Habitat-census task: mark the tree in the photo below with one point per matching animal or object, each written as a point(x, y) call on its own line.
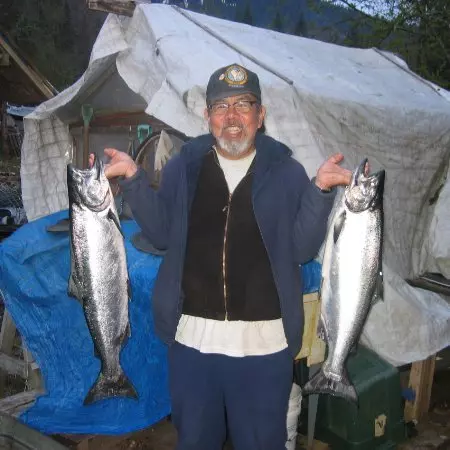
point(211, 8)
point(301, 28)
point(46, 33)
point(246, 16)
point(416, 29)
point(277, 23)
point(354, 37)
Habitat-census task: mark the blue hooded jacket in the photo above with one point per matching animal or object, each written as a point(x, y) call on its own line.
point(290, 210)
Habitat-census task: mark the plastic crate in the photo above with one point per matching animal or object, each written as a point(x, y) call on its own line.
point(378, 421)
point(17, 436)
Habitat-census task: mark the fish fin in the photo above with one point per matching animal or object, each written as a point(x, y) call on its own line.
point(125, 336)
point(107, 387)
point(97, 353)
point(378, 294)
point(129, 289)
point(114, 218)
point(321, 383)
point(338, 225)
point(74, 288)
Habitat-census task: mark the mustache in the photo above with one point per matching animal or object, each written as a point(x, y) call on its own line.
point(233, 124)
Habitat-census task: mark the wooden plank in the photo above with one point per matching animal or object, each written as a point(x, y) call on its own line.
point(421, 382)
point(33, 377)
point(4, 59)
point(310, 305)
point(15, 404)
point(7, 333)
point(7, 337)
point(121, 7)
point(27, 368)
point(318, 346)
point(39, 82)
point(313, 348)
point(13, 366)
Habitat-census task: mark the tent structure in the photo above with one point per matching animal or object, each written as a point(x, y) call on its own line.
point(321, 98)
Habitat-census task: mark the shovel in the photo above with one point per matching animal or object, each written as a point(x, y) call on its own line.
point(87, 112)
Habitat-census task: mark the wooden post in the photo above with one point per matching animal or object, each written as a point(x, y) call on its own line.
point(26, 368)
point(7, 336)
point(421, 382)
point(33, 377)
point(15, 404)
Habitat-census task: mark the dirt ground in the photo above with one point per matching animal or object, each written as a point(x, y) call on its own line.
point(433, 432)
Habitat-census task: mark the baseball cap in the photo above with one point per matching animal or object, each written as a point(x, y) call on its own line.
point(232, 80)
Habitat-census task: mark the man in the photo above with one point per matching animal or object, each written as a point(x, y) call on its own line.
point(236, 215)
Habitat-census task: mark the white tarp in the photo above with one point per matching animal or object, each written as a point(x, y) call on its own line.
point(321, 98)
point(435, 253)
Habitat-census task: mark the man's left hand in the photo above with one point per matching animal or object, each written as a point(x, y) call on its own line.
point(330, 174)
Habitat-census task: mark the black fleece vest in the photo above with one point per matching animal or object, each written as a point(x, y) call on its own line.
point(227, 273)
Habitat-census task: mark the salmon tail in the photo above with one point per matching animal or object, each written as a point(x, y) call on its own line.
point(321, 383)
point(107, 387)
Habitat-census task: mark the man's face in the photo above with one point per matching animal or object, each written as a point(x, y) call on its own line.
point(235, 127)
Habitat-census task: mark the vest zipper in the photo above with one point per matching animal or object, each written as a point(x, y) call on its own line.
point(224, 250)
point(224, 253)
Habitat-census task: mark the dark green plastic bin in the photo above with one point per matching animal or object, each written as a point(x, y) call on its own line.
point(17, 436)
point(378, 422)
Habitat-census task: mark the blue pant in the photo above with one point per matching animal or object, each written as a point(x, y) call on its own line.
point(212, 393)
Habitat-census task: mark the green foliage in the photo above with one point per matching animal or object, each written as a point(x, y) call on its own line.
point(301, 28)
point(211, 8)
point(277, 23)
point(57, 35)
point(417, 30)
point(246, 15)
point(44, 32)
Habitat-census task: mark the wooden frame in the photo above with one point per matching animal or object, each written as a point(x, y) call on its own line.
point(41, 84)
point(421, 382)
point(25, 368)
point(121, 7)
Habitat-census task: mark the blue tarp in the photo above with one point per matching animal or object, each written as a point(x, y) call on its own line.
point(312, 276)
point(34, 271)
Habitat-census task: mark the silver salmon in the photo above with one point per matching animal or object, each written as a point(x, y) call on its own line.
point(99, 276)
point(351, 278)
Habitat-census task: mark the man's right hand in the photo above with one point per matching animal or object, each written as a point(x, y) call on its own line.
point(120, 164)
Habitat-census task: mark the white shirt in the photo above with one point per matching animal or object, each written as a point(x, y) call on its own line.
point(236, 337)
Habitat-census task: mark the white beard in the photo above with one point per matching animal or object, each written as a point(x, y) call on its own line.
point(234, 148)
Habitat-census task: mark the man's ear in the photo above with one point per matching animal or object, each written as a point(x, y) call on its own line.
point(262, 115)
point(206, 114)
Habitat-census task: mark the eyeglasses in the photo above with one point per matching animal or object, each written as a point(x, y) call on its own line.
point(241, 107)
